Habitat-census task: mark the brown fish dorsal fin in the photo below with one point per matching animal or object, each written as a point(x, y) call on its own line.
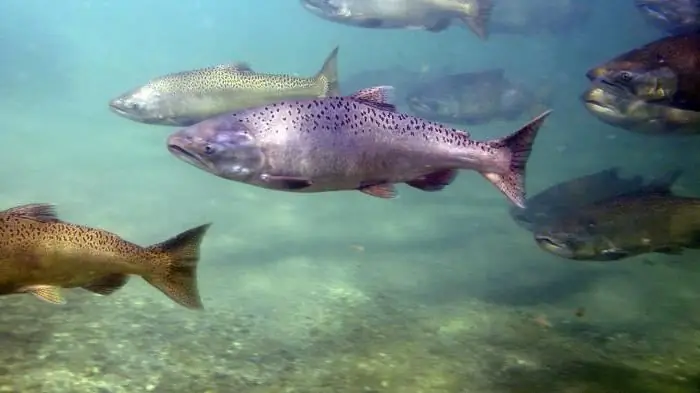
point(236, 67)
point(108, 284)
point(42, 212)
point(47, 293)
point(380, 97)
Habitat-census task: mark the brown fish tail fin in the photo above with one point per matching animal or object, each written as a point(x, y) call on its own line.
point(177, 279)
point(476, 14)
point(328, 75)
point(518, 147)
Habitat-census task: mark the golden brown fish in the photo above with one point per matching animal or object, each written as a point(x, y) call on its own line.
point(645, 221)
point(39, 254)
point(571, 195)
point(665, 71)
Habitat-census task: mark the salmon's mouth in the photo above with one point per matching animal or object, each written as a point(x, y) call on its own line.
point(186, 156)
point(116, 109)
point(600, 109)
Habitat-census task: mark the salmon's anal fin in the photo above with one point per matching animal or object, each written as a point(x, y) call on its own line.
point(518, 147)
point(177, 279)
point(435, 181)
point(107, 284)
point(382, 190)
point(47, 293)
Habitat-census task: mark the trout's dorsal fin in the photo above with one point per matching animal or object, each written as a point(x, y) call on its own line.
point(236, 67)
point(380, 97)
point(42, 212)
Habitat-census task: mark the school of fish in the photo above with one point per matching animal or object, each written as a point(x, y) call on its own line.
point(298, 134)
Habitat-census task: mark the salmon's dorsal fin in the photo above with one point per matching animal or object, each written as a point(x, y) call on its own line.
point(380, 97)
point(236, 67)
point(42, 212)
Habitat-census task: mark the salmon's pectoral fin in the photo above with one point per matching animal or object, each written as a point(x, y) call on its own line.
point(287, 182)
point(382, 190)
point(42, 212)
point(46, 293)
point(175, 264)
point(107, 284)
point(435, 181)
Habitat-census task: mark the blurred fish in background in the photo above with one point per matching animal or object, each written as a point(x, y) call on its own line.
point(671, 16)
point(430, 15)
point(530, 17)
point(475, 98)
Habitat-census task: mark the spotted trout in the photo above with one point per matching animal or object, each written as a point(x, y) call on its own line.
point(185, 98)
point(39, 254)
point(359, 142)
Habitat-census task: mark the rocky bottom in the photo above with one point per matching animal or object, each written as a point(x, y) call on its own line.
point(349, 342)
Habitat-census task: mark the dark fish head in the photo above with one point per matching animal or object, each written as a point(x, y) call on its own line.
point(656, 85)
point(221, 146)
point(580, 243)
point(144, 105)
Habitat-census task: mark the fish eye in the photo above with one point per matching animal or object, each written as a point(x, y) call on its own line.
point(209, 149)
point(625, 76)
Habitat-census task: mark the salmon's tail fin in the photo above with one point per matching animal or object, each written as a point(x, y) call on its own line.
point(517, 147)
point(328, 75)
point(176, 267)
point(476, 14)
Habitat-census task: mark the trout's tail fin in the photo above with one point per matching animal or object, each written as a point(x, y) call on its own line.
point(176, 267)
point(328, 75)
point(476, 14)
point(517, 147)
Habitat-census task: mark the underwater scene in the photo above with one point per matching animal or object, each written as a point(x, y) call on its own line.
point(350, 196)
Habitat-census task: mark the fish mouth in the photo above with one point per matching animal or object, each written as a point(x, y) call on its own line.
point(553, 246)
point(597, 106)
point(114, 107)
point(186, 156)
